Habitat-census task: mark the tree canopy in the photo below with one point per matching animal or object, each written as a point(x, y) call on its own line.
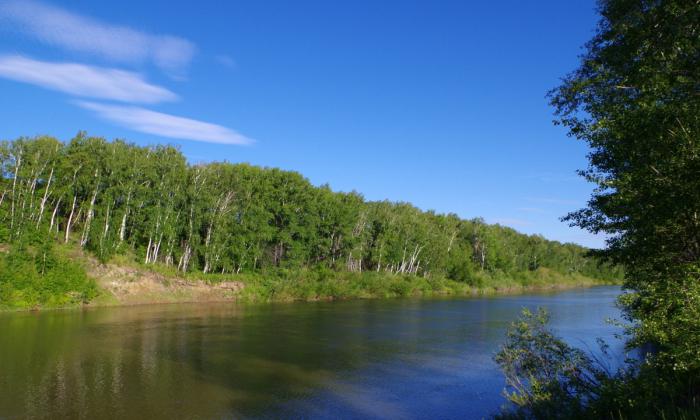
point(115, 197)
point(635, 100)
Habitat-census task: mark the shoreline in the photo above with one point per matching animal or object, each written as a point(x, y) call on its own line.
point(108, 300)
point(124, 282)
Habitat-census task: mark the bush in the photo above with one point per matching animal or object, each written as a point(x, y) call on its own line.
point(547, 378)
point(35, 276)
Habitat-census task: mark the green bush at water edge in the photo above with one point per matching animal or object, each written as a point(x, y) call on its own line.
point(33, 276)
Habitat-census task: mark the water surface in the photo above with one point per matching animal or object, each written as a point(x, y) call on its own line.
point(405, 358)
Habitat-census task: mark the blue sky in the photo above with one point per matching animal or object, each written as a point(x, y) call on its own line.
point(438, 103)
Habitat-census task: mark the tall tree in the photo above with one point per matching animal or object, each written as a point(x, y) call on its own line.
point(635, 100)
point(115, 197)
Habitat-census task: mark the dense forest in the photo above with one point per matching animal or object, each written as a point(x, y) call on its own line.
point(149, 203)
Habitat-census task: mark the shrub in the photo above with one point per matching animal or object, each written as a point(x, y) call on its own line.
point(35, 276)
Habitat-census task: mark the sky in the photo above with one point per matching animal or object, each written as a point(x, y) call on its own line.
point(437, 103)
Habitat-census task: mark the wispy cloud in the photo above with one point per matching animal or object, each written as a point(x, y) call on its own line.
point(61, 28)
point(58, 27)
point(83, 80)
point(165, 125)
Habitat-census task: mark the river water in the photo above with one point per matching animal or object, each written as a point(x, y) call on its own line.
point(403, 358)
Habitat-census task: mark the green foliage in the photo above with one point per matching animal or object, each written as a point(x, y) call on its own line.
point(35, 275)
point(635, 101)
point(325, 284)
point(115, 199)
point(547, 378)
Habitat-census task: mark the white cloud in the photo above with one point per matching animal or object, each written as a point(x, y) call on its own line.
point(83, 80)
point(58, 27)
point(165, 125)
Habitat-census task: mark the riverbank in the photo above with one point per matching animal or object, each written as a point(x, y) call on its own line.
point(121, 285)
point(131, 284)
point(124, 282)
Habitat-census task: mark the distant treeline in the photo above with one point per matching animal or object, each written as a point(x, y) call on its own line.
point(116, 197)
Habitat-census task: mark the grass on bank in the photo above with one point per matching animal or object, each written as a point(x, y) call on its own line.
point(309, 285)
point(60, 276)
point(284, 285)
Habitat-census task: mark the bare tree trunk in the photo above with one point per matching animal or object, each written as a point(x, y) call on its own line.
point(169, 252)
point(402, 266)
point(104, 233)
point(44, 198)
point(89, 216)
point(148, 251)
point(69, 224)
point(156, 249)
point(122, 228)
point(185, 258)
point(220, 209)
point(105, 230)
point(414, 262)
point(187, 250)
point(14, 191)
point(33, 184)
point(53, 214)
point(452, 239)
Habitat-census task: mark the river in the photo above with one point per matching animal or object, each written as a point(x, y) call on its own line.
point(402, 358)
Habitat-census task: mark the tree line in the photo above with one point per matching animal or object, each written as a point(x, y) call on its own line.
point(114, 197)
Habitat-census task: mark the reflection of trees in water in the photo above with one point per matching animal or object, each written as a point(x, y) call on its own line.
point(101, 364)
point(212, 360)
point(161, 361)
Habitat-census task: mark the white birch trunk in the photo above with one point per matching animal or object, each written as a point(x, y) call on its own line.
point(14, 191)
point(148, 251)
point(53, 215)
point(122, 228)
point(69, 224)
point(44, 198)
point(88, 217)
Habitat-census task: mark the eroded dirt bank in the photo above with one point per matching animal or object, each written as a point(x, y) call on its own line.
point(123, 285)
